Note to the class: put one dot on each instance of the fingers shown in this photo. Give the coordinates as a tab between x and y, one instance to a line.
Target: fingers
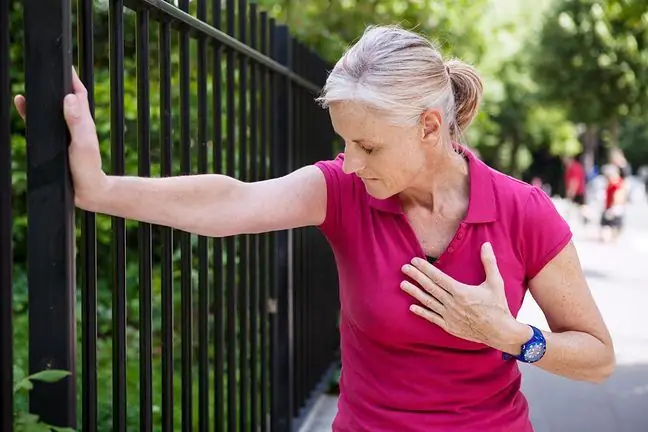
427	284
77	84
74	109
79	119
429	315
21	106
490	263
424	272
424	298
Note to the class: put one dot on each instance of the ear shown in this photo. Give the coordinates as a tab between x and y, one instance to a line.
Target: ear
431	125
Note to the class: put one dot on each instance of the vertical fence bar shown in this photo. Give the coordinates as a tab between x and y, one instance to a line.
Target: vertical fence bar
116	20
244	240
185	237
88	241
6	226
203	294
144	229
271	301
263	264
231	241
254	252
50	204
219	311
167	233
297	238
282	361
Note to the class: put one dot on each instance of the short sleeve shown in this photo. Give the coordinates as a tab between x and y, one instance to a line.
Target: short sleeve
338	189
544	232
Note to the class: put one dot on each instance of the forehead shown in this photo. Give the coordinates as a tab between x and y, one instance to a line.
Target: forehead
350	117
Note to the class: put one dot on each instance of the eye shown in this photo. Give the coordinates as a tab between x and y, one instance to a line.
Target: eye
365	149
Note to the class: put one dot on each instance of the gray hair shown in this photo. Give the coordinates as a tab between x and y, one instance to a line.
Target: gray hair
403	74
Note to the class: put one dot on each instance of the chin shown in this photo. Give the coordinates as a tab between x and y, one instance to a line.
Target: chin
377	192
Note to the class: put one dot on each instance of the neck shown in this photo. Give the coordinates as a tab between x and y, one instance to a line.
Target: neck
443	185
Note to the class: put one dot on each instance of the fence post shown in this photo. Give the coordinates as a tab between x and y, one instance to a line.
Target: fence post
282	358
6	235
50	202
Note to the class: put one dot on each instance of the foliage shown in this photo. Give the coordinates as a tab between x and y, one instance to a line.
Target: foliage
330	26
592	57
24	421
585	67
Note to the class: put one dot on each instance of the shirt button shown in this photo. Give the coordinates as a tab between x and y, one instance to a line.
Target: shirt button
451	249
460	235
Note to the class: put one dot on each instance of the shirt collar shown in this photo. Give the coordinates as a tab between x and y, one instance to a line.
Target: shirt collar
482	205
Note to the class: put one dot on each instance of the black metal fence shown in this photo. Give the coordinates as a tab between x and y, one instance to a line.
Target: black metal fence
169	331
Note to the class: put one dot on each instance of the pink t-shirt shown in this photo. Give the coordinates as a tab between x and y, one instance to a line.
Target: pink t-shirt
404	374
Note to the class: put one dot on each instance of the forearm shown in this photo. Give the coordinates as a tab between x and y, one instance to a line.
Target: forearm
571	354
189	203
578	356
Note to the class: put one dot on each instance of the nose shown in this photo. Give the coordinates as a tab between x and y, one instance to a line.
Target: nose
353	162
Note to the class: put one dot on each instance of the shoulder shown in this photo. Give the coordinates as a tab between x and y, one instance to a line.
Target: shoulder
514	195
345	193
535	225
340	184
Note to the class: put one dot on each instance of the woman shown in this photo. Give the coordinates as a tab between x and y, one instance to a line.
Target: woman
435	250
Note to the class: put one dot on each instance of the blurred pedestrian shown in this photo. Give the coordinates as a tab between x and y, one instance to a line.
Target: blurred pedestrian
615	203
575	188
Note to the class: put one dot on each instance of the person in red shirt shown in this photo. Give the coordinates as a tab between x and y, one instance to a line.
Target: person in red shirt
576	185
615	200
435	250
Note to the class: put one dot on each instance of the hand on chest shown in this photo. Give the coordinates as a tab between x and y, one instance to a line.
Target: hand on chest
374	302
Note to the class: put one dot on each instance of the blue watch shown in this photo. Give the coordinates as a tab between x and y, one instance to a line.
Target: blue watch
531	351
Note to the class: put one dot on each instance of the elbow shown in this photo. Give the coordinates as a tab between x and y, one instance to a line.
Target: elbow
602	373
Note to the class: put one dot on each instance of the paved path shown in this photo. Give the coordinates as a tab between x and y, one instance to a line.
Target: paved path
618	278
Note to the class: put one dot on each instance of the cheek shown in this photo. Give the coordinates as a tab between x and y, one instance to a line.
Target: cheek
408	162
400	169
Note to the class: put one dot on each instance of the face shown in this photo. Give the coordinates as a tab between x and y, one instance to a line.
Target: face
386	157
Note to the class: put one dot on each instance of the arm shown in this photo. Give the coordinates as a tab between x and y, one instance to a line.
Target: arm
216	205
212	205
579	345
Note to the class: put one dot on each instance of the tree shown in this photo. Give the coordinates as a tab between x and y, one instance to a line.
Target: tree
590	59
330	26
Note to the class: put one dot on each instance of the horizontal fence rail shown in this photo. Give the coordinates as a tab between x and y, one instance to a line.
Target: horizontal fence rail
174	331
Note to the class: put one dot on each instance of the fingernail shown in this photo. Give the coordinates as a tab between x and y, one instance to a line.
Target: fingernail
71	105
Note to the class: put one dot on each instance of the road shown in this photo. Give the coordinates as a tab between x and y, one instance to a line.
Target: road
618	278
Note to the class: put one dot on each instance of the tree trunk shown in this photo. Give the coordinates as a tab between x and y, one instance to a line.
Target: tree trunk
590	142
614	133
514	169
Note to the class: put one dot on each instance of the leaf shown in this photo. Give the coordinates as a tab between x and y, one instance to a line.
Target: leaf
18	373
60	429
50	376
23	384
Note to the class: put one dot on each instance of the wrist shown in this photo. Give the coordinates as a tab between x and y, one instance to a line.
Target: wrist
515	335
93	199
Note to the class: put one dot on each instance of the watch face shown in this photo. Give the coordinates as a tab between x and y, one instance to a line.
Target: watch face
534	352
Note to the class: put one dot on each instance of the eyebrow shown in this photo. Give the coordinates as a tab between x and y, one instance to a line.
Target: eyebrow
361	141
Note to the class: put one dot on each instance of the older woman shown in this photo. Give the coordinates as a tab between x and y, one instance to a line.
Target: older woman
435	249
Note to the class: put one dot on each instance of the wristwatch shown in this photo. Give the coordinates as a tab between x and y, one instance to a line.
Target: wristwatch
531	351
